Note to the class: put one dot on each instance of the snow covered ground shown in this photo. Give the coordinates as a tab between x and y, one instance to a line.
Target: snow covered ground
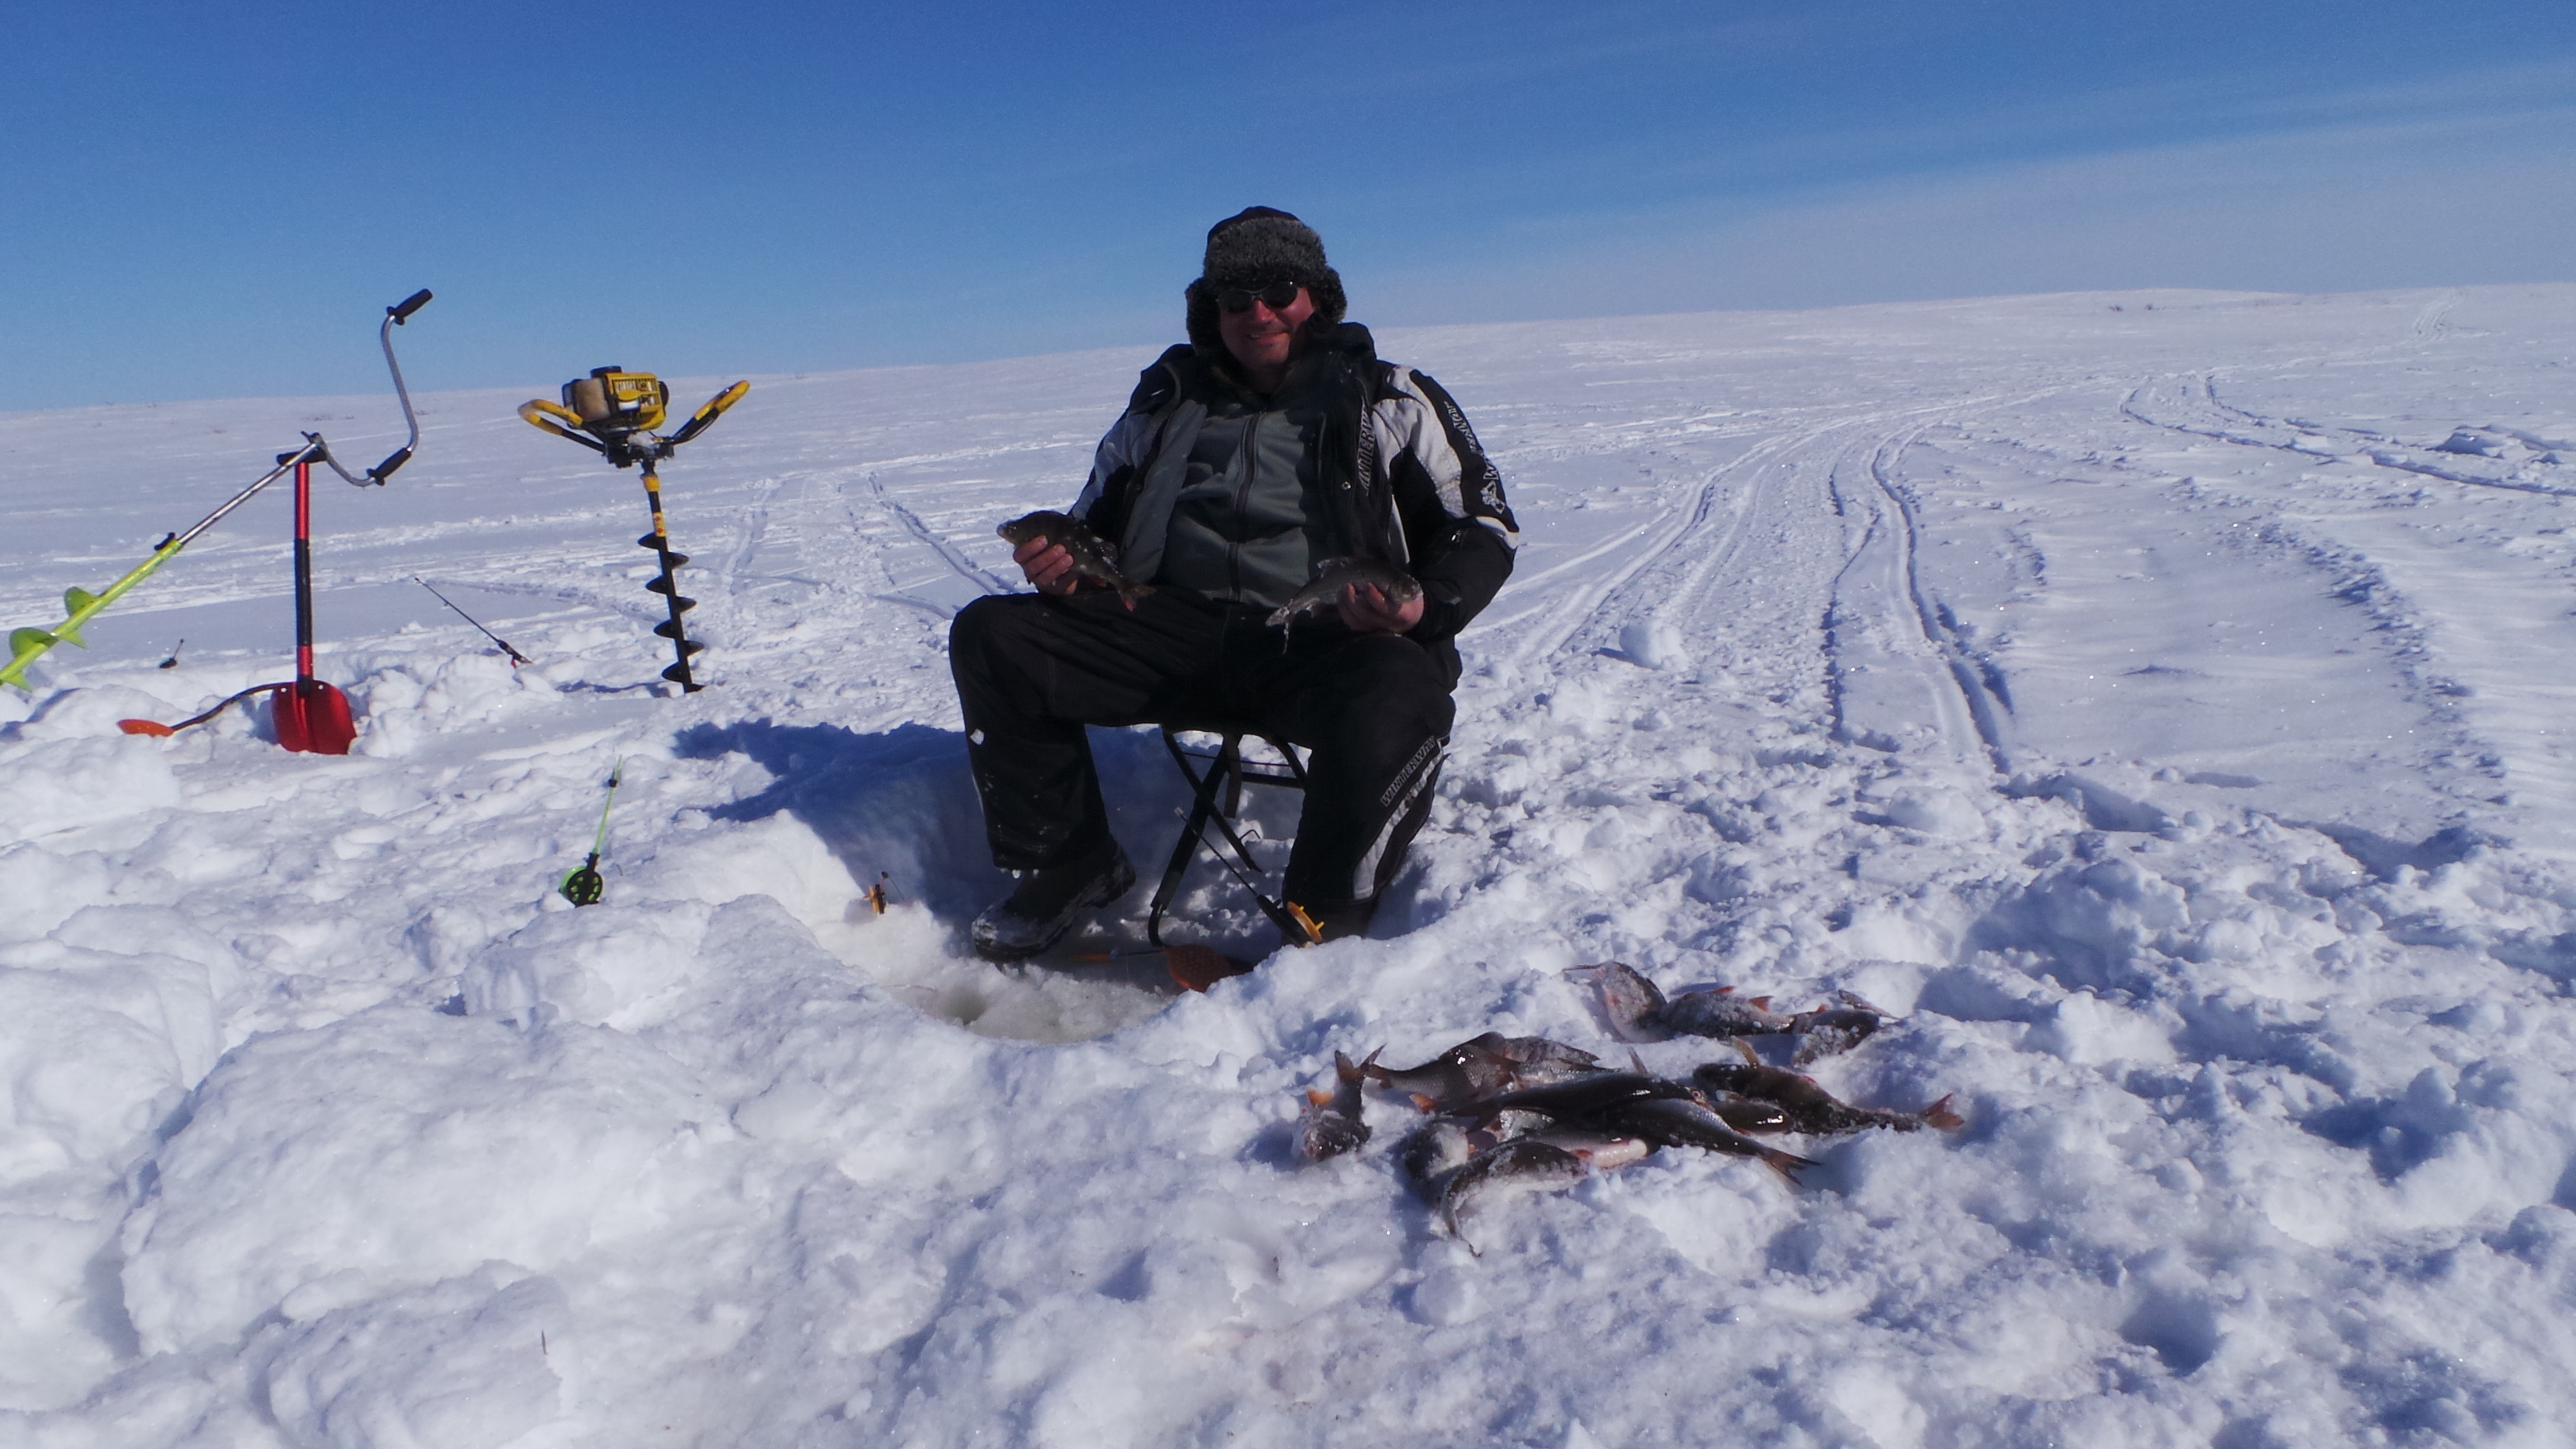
2161	698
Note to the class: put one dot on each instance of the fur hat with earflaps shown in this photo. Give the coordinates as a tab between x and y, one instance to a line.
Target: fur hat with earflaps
1256	245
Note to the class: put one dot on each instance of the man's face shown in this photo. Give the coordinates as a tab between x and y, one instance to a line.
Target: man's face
1263	337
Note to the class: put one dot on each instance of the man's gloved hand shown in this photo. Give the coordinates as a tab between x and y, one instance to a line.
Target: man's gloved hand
1365	609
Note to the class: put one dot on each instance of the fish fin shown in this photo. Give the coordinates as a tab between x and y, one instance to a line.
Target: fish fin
1787	1164
1425	1105
1758	1003
1751	1058
1318	1097
1939	1115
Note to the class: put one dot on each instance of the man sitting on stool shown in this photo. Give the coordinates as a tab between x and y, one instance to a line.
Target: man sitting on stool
1273	440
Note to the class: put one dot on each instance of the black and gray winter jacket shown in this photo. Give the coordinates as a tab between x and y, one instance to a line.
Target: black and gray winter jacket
1385	466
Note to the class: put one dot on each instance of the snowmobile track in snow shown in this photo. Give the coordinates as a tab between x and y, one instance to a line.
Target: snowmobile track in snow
2189	403
1896	530
932	539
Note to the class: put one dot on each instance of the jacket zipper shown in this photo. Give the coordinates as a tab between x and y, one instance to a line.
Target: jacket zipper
1243	504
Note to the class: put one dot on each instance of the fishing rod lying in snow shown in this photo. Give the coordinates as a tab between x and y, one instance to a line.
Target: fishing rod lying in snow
516	658
80	605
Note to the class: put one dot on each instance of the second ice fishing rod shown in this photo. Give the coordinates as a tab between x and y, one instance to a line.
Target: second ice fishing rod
584	887
80	605
613	413
516	658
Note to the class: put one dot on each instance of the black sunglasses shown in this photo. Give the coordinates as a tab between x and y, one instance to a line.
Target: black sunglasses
1276	296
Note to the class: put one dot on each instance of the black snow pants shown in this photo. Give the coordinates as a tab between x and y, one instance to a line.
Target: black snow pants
1032	670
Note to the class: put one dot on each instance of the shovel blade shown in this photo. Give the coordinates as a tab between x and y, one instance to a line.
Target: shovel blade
313	719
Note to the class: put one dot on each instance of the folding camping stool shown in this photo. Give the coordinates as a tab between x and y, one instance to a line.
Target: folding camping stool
1227	771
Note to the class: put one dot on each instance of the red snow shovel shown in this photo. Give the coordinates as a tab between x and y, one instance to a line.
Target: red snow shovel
311	717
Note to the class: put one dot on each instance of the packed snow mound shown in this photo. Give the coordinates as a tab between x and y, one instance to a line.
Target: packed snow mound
2137	701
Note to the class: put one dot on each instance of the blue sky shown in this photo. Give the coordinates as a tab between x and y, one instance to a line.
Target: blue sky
210	201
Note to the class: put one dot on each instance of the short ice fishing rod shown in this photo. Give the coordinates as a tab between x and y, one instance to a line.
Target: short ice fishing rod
80	605
613	413
584	887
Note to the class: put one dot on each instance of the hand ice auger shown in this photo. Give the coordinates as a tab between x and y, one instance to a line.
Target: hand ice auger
81	605
613	413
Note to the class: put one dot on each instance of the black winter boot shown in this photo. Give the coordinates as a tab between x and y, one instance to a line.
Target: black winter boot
1046	902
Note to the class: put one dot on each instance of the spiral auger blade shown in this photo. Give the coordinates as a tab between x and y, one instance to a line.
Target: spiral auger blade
668	586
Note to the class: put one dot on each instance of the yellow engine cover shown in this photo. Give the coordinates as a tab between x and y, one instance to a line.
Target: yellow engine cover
616	401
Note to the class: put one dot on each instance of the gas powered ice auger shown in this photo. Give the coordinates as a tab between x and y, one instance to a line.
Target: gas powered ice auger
311	715
613	413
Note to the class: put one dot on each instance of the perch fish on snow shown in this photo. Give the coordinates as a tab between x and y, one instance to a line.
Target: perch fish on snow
1465	1172
1333	1122
1468	1161
1094	558
1638	1105
1809	1108
1639	1011
1484	1065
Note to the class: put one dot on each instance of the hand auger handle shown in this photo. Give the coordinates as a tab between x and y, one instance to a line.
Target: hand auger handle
395	315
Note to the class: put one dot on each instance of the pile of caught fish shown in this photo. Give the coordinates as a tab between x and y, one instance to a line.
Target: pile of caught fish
1510	1116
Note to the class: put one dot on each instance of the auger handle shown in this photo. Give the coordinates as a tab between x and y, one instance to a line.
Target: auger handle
394	315
714	409
537	412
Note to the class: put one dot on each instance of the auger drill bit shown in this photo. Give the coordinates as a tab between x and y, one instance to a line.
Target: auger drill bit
668	586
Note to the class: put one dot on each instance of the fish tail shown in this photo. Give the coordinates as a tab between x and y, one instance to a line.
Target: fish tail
1359	1071
1787	1164
1449	1218
1751	1059
1939	1115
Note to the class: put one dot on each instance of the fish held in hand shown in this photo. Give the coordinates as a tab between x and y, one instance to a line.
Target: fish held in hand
1332	1122
1336	574
1095	559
